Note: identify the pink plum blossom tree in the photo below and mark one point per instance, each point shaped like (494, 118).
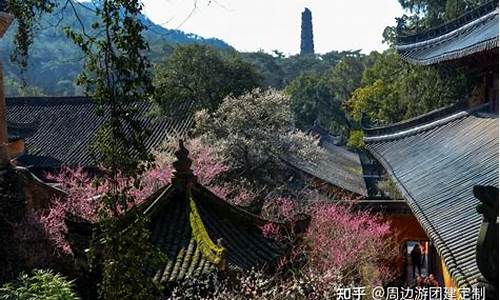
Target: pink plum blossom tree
(342, 246)
(45, 230)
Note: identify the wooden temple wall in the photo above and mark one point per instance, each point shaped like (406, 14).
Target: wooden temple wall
(406, 228)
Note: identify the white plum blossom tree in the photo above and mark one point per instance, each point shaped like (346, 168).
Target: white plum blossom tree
(253, 133)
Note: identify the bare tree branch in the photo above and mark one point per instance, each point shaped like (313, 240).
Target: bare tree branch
(195, 7)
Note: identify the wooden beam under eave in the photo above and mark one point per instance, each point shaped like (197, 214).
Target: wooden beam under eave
(15, 149)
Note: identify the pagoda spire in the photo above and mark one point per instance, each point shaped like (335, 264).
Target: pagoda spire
(306, 35)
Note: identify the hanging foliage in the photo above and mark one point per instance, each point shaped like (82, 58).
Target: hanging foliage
(26, 13)
(117, 77)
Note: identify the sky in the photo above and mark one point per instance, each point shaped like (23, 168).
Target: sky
(252, 25)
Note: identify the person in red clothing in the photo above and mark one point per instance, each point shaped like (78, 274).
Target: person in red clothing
(430, 281)
(420, 281)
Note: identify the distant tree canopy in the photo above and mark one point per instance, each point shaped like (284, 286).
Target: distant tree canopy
(424, 14)
(278, 71)
(393, 90)
(201, 74)
(322, 96)
(295, 65)
(346, 76)
(433, 12)
(313, 100)
(269, 66)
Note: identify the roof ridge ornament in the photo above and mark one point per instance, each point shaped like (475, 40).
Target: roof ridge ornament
(183, 176)
(365, 121)
(213, 251)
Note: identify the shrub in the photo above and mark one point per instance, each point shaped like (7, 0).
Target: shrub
(339, 238)
(42, 284)
(356, 140)
(389, 188)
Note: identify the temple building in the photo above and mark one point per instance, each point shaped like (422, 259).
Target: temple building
(199, 232)
(469, 43)
(51, 132)
(445, 163)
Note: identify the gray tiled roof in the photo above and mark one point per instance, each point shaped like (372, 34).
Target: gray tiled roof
(20, 131)
(435, 165)
(63, 128)
(239, 232)
(474, 32)
(169, 214)
(337, 166)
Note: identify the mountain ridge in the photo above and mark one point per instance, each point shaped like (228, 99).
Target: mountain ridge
(54, 61)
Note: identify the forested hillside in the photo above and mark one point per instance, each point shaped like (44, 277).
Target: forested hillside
(54, 61)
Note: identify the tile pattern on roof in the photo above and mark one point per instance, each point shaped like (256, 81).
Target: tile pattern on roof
(235, 230)
(477, 35)
(197, 231)
(337, 166)
(406, 38)
(436, 168)
(433, 117)
(64, 128)
(20, 130)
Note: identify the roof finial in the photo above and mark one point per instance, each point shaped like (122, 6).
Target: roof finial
(182, 167)
(365, 121)
(317, 123)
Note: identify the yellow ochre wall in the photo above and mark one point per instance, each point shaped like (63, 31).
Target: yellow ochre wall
(447, 280)
(406, 228)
